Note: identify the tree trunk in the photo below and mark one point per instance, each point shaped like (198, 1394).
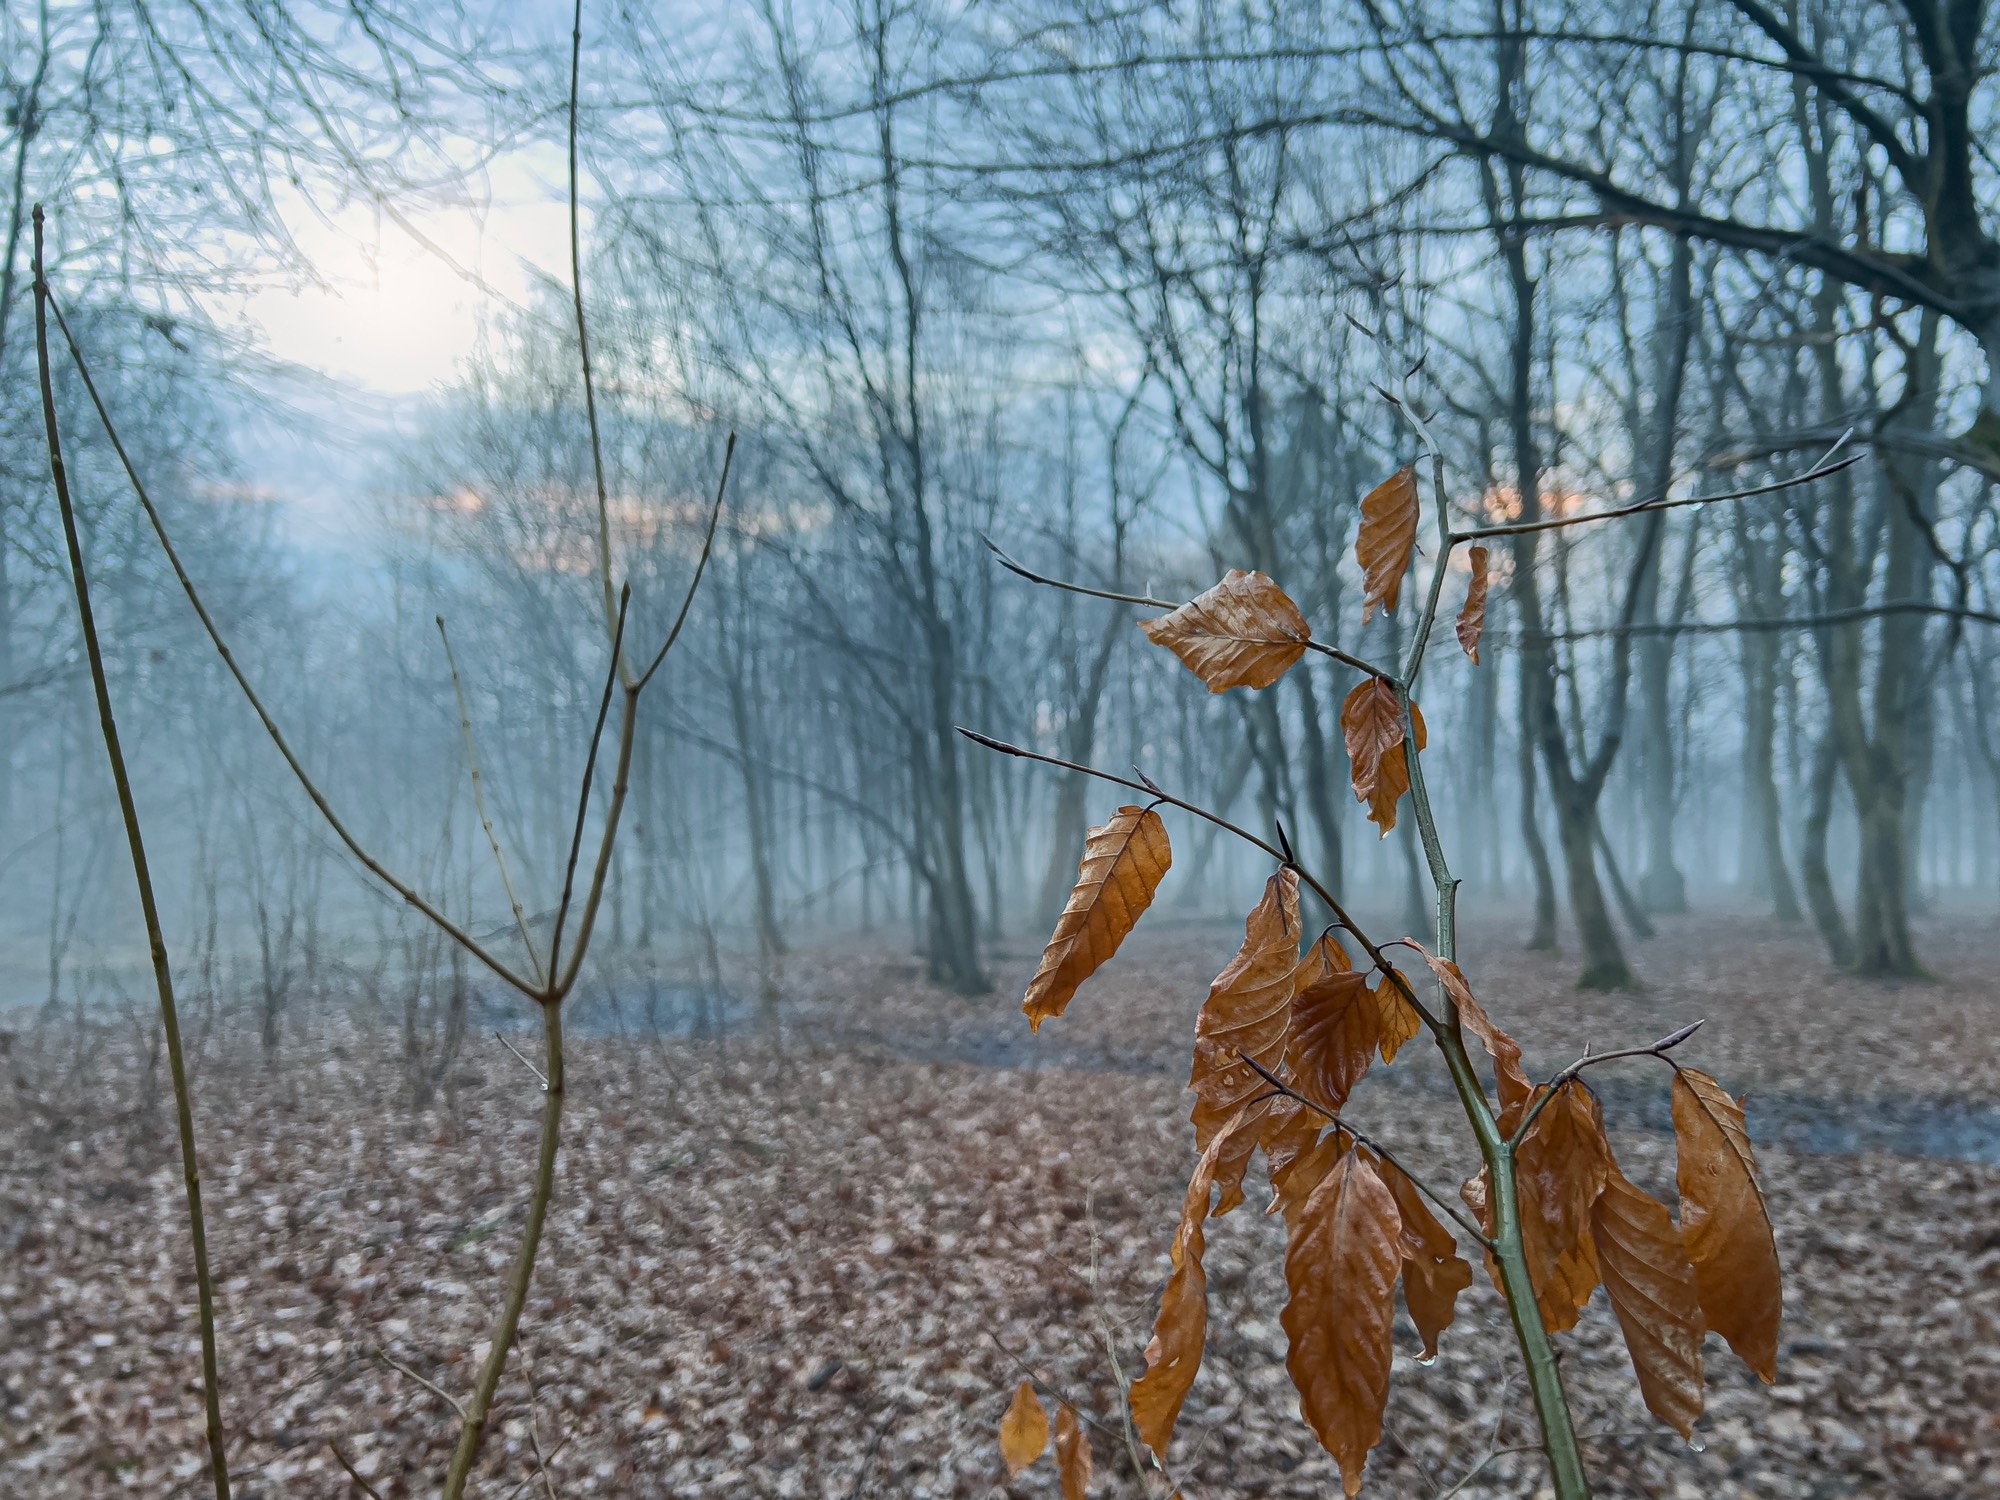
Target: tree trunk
(1812, 857)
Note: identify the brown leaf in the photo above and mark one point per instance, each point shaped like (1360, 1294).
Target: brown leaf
(1340, 1264)
(1371, 721)
(1072, 1453)
(1472, 618)
(1388, 535)
(1434, 1273)
(1123, 863)
(1181, 1330)
(1293, 1183)
(1509, 1075)
(1724, 1219)
(1246, 1015)
(1024, 1430)
(1560, 1168)
(1397, 1021)
(1650, 1281)
(1334, 1032)
(1243, 632)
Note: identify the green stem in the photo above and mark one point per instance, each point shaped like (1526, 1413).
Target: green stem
(156, 942)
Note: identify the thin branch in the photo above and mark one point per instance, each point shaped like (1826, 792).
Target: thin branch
(535, 1430)
(1659, 502)
(1153, 789)
(352, 1472)
(700, 567)
(156, 942)
(479, 805)
(1658, 1049)
(1118, 1375)
(373, 865)
(1148, 602)
(583, 791)
(583, 331)
(436, 1390)
(540, 1076)
(1280, 1087)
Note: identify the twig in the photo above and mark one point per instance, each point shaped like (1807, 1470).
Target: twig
(1104, 1328)
(1151, 788)
(352, 1472)
(1660, 502)
(333, 820)
(583, 790)
(436, 1390)
(700, 566)
(479, 805)
(583, 334)
(534, 1429)
(561, 1443)
(1284, 1089)
(541, 1077)
(156, 941)
(1658, 1049)
(1147, 601)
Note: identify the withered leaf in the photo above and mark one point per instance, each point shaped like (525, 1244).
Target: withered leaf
(1560, 1168)
(1072, 1453)
(1024, 1430)
(1123, 864)
(1246, 1015)
(1174, 1355)
(1244, 632)
(1508, 1073)
(1335, 1029)
(1341, 1263)
(1725, 1222)
(1397, 1021)
(1371, 721)
(1472, 618)
(1650, 1281)
(1434, 1273)
(1388, 536)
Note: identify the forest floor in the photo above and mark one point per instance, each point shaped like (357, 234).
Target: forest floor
(813, 1257)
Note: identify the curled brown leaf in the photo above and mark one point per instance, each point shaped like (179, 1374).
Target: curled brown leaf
(1123, 863)
(1725, 1221)
(1371, 722)
(1243, 632)
(1472, 618)
(1651, 1283)
(1387, 537)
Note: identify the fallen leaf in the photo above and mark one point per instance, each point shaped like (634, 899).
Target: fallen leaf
(1072, 1453)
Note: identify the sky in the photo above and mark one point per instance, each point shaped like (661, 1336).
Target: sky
(396, 319)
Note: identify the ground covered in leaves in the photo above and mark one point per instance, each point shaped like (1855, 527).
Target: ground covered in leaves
(814, 1256)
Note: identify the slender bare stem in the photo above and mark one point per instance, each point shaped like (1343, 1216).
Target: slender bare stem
(473, 1428)
(430, 1385)
(156, 941)
(373, 865)
(1658, 1049)
(352, 1472)
(700, 567)
(540, 1076)
(583, 330)
(584, 789)
(479, 805)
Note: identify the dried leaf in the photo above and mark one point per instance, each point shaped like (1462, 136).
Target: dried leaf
(1650, 1281)
(1371, 721)
(1123, 863)
(1388, 536)
(1246, 1015)
(1244, 632)
(1725, 1221)
(1293, 1183)
(1472, 618)
(1024, 1430)
(1179, 1333)
(1434, 1273)
(1072, 1453)
(1334, 1032)
(1341, 1265)
(1397, 1021)
(1560, 1168)
(1509, 1075)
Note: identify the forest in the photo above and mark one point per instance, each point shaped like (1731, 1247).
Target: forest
(935, 749)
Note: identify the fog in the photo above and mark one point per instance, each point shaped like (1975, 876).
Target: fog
(902, 362)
